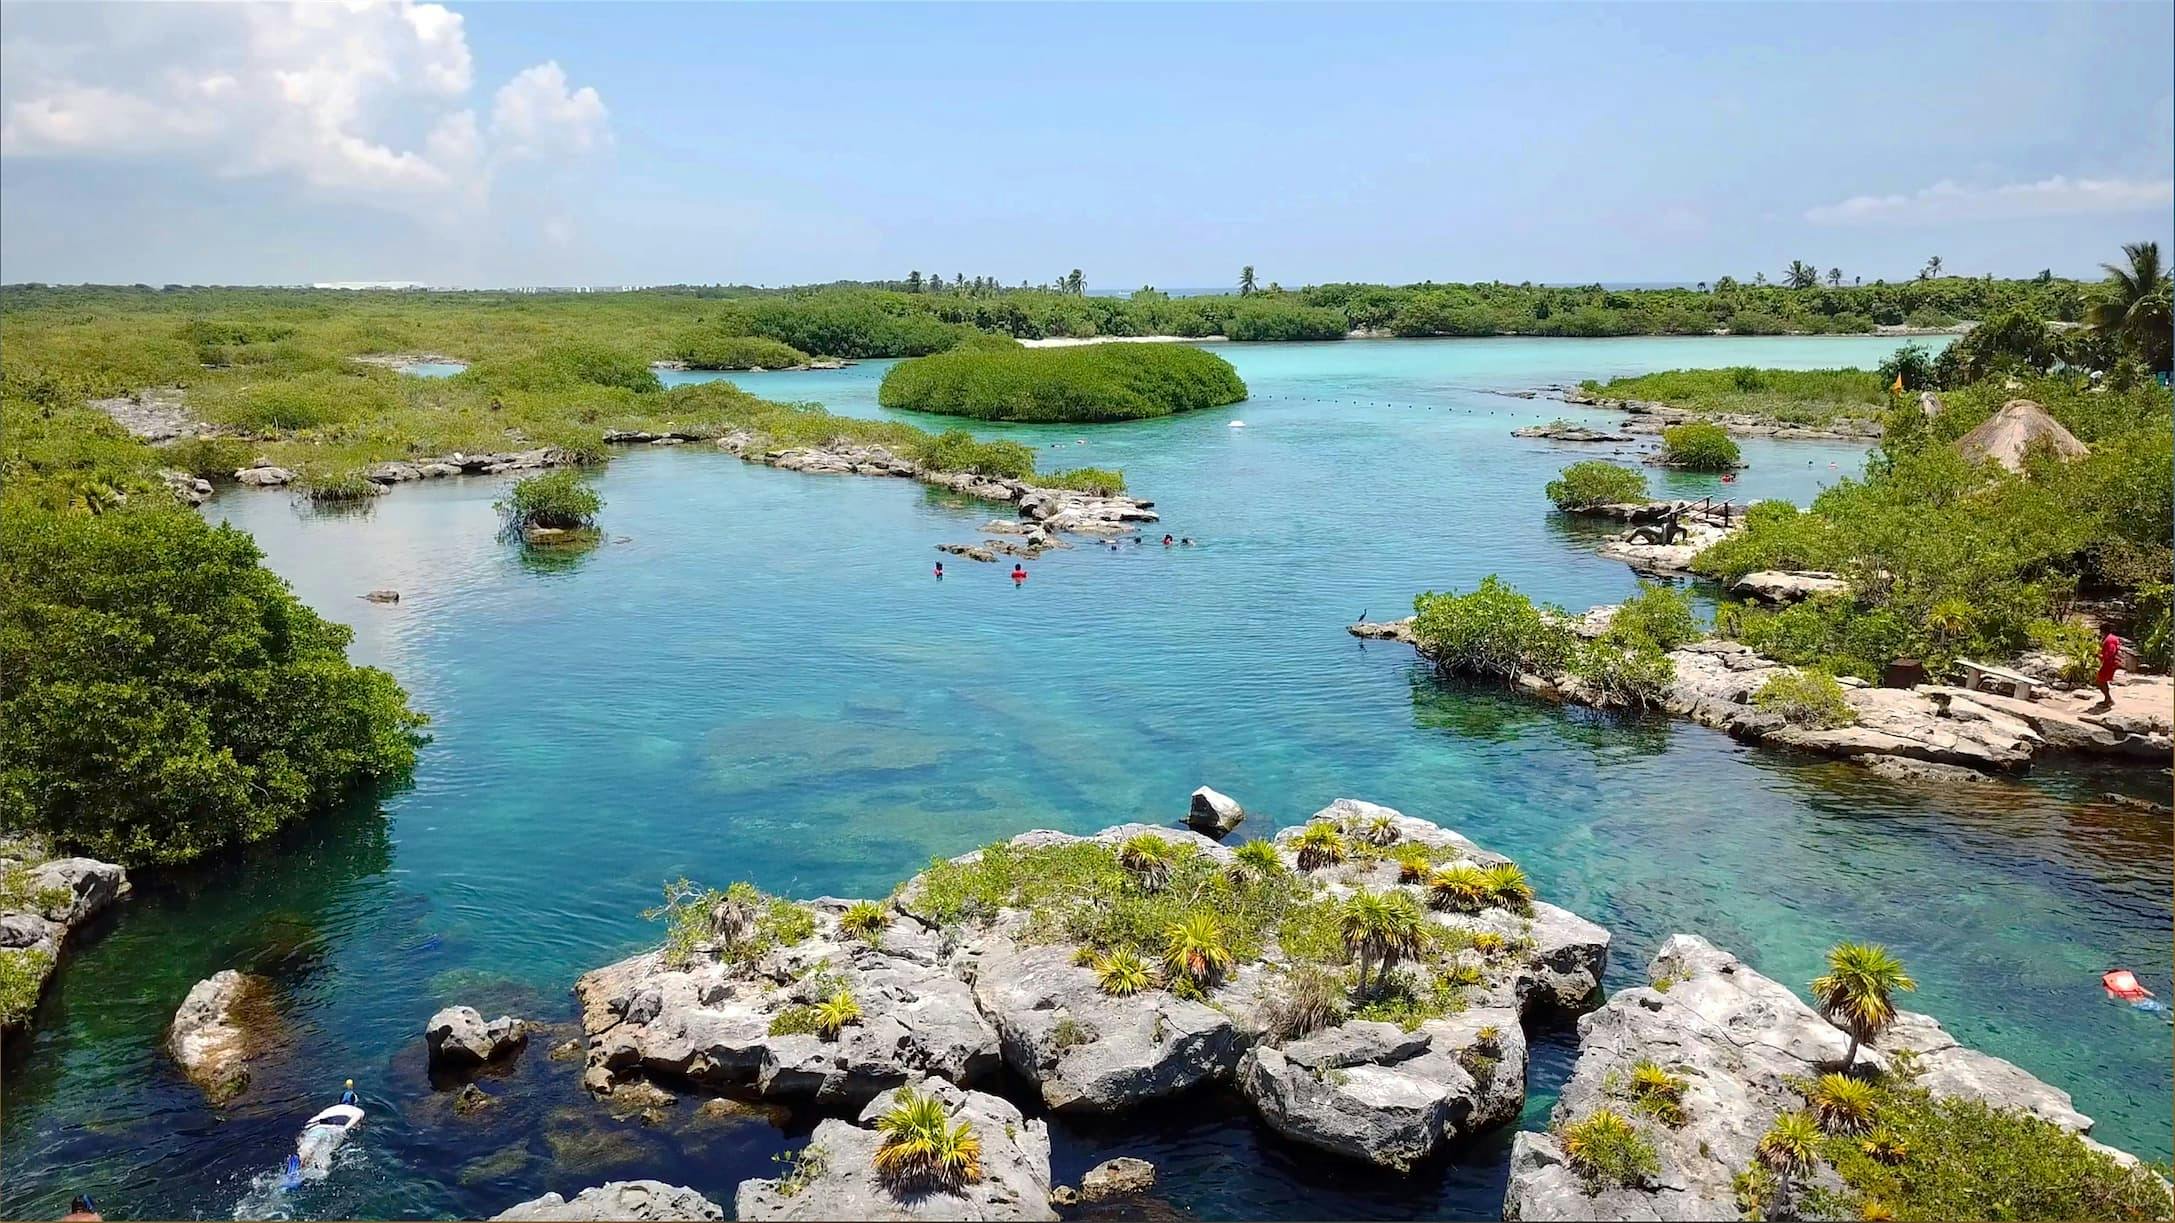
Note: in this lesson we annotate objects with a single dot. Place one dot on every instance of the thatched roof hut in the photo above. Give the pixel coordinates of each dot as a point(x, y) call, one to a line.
point(2021, 425)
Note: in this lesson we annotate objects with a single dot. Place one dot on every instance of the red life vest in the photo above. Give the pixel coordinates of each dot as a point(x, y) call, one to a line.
point(2122, 983)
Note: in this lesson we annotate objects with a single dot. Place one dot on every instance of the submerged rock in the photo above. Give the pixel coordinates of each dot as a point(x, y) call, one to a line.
point(836, 1177)
point(218, 1028)
point(620, 1200)
point(458, 1036)
point(1213, 813)
point(1118, 1177)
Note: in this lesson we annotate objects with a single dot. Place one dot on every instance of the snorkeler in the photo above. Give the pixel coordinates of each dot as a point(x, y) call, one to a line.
point(1019, 573)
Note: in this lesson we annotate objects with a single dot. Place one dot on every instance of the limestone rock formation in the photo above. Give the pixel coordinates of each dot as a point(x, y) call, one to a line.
point(459, 1036)
point(646, 1201)
point(1213, 813)
point(219, 1027)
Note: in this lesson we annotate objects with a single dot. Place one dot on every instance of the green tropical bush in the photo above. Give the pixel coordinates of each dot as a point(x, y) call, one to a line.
point(1805, 698)
point(1593, 482)
point(958, 450)
point(1093, 383)
point(1493, 632)
point(706, 349)
point(1606, 1150)
point(166, 695)
point(560, 500)
point(1699, 446)
point(921, 1149)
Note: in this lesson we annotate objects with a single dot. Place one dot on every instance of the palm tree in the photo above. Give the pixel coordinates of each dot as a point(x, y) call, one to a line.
point(1789, 1148)
point(1801, 275)
point(1194, 948)
point(2135, 310)
point(1835, 278)
point(913, 281)
point(1075, 284)
point(1932, 270)
point(1856, 989)
point(1759, 278)
point(1382, 927)
point(1246, 280)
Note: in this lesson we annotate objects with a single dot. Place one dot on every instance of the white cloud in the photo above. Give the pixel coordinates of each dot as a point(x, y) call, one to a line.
point(535, 115)
point(1948, 200)
point(369, 101)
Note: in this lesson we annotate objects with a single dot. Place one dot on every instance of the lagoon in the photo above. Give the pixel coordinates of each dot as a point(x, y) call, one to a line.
point(756, 676)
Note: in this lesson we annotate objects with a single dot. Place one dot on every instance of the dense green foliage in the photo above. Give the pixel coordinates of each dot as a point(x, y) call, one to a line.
point(1699, 446)
point(1264, 320)
point(1807, 697)
point(1796, 396)
point(1496, 633)
point(1949, 559)
point(1927, 1158)
point(1594, 482)
point(562, 500)
point(167, 696)
point(1092, 383)
point(1607, 1151)
point(22, 973)
point(709, 348)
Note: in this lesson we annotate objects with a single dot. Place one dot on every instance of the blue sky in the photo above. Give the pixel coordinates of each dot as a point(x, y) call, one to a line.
point(494, 144)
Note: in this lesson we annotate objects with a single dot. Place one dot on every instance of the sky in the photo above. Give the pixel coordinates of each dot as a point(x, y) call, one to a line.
point(512, 144)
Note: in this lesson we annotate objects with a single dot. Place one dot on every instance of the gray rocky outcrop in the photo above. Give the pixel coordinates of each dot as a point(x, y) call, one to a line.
point(459, 1036)
point(838, 1177)
point(42, 900)
point(710, 1021)
point(156, 414)
point(1213, 813)
point(1565, 431)
point(219, 1027)
point(264, 475)
point(1777, 587)
point(619, 1201)
point(1741, 1043)
point(188, 489)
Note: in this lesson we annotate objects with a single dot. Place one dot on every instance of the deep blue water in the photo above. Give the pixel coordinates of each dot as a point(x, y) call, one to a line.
point(756, 676)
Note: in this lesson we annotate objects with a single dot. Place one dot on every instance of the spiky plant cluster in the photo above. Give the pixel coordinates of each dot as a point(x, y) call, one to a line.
point(1122, 973)
point(922, 1149)
point(1195, 949)
point(1320, 845)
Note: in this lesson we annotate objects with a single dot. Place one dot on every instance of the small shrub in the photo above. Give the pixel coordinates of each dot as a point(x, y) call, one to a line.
point(1842, 1104)
point(799, 1169)
point(1492, 633)
point(865, 920)
point(1319, 845)
point(2073, 642)
point(794, 1021)
point(1101, 481)
point(1380, 832)
point(1699, 446)
point(834, 1013)
point(1460, 887)
point(1591, 483)
point(1308, 999)
point(921, 1149)
point(1635, 675)
point(1196, 950)
point(958, 450)
point(1148, 858)
point(1660, 616)
point(1806, 697)
point(22, 972)
point(1414, 862)
point(1791, 1146)
point(1606, 1150)
point(332, 487)
point(1507, 887)
point(209, 458)
point(1122, 973)
point(1255, 861)
point(1069, 1033)
point(561, 500)
point(1657, 1093)
point(714, 350)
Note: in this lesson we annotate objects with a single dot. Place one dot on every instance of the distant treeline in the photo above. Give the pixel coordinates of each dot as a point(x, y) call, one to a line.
point(865, 321)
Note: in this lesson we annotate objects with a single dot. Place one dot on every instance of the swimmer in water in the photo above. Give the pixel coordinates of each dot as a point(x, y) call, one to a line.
point(1166, 541)
point(1019, 573)
point(1187, 542)
point(940, 571)
point(348, 1096)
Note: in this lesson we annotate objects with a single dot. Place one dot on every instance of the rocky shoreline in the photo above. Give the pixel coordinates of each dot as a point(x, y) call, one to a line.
point(947, 1002)
point(43, 899)
point(1915, 733)
point(1645, 416)
point(1743, 1050)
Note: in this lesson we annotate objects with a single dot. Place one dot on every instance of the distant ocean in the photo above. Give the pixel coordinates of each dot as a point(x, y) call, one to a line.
point(1214, 290)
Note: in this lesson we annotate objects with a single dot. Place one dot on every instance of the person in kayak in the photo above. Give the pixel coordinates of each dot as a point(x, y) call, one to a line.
point(348, 1096)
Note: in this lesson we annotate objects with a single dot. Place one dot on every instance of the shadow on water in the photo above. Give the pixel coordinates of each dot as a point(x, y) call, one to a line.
point(1485, 713)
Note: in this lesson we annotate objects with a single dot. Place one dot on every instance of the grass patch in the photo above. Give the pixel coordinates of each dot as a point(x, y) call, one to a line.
point(1815, 397)
point(22, 973)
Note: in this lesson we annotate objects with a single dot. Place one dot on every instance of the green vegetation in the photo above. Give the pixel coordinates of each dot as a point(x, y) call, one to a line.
point(556, 500)
point(1858, 991)
point(1496, 633)
point(1307, 999)
point(1789, 1149)
point(1842, 1104)
point(833, 1014)
point(1950, 559)
point(1122, 973)
point(1933, 1158)
point(1807, 697)
point(738, 925)
point(1460, 887)
point(1101, 382)
point(1385, 928)
point(799, 1169)
point(1148, 857)
point(1699, 446)
point(709, 349)
point(1593, 482)
point(1195, 949)
point(1606, 1150)
point(1265, 320)
point(865, 920)
point(167, 696)
point(1657, 1093)
point(1816, 397)
point(1319, 845)
point(921, 1149)
point(22, 974)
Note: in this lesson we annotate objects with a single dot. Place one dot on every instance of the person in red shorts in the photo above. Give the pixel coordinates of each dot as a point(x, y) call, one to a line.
point(2110, 660)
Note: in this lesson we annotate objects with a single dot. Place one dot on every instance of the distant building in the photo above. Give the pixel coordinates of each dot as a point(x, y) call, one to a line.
point(369, 284)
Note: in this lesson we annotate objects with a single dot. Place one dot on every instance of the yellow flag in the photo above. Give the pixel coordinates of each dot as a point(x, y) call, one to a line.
point(1898, 389)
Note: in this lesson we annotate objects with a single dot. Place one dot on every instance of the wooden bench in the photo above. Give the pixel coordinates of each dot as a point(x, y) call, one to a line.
point(1986, 677)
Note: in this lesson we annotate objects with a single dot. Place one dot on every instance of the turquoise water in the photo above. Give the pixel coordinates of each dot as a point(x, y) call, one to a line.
point(434, 369)
point(756, 676)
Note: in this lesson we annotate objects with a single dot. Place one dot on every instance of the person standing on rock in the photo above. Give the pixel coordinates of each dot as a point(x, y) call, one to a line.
point(2110, 660)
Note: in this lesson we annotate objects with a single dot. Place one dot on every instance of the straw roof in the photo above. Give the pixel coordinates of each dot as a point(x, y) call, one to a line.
point(2021, 425)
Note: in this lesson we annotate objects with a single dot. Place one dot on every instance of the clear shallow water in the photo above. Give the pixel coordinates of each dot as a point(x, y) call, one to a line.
point(757, 677)
point(434, 369)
